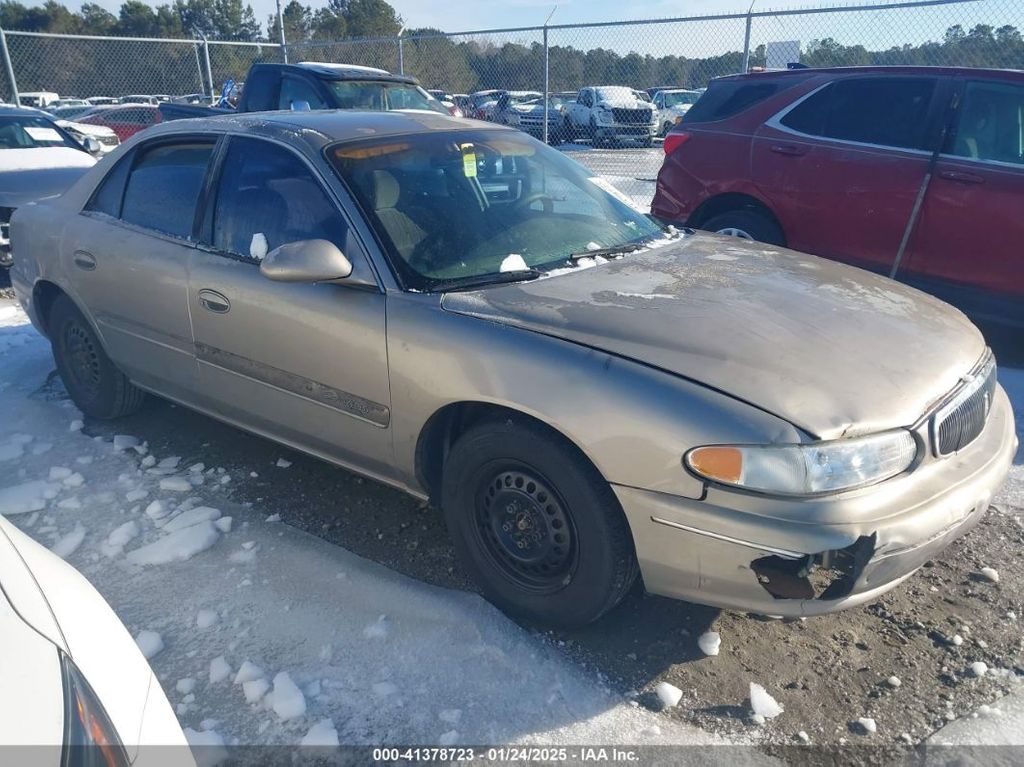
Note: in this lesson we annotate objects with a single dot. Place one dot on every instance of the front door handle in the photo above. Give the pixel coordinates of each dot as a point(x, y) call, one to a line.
point(213, 301)
point(962, 178)
point(85, 261)
point(790, 150)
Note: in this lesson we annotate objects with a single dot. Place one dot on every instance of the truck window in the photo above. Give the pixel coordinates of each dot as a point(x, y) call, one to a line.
point(294, 90)
point(261, 91)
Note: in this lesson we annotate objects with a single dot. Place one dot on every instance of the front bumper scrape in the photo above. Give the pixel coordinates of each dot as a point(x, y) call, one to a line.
point(797, 557)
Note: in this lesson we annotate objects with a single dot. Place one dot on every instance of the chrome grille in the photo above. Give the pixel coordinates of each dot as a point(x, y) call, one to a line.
point(959, 422)
point(632, 116)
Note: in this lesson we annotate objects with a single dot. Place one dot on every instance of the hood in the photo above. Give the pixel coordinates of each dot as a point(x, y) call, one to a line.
point(624, 103)
point(87, 129)
point(834, 350)
point(32, 174)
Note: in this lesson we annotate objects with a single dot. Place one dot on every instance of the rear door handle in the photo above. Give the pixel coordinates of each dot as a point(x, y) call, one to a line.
point(85, 261)
point(962, 178)
point(790, 150)
point(213, 301)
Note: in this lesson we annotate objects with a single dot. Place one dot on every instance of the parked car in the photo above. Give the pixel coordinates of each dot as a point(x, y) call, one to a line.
point(483, 104)
point(611, 113)
point(447, 100)
point(104, 136)
point(74, 679)
point(505, 112)
point(38, 159)
point(464, 103)
point(102, 101)
point(37, 99)
point(672, 105)
point(65, 102)
point(528, 115)
point(310, 85)
point(459, 311)
point(140, 99)
point(652, 92)
point(71, 112)
point(124, 119)
point(832, 162)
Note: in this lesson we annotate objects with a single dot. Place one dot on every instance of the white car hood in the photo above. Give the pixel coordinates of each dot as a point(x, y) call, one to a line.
point(43, 158)
point(625, 104)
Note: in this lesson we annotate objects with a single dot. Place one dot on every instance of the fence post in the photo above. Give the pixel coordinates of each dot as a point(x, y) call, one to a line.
point(547, 83)
point(401, 53)
point(9, 67)
point(280, 24)
point(209, 71)
point(746, 38)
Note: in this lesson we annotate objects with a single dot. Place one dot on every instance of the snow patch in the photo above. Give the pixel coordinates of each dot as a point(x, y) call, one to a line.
point(762, 703)
point(288, 701)
point(178, 546)
point(149, 642)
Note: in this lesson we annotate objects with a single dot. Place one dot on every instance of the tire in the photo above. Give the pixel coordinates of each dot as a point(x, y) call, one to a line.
point(748, 225)
point(647, 143)
point(94, 383)
point(535, 525)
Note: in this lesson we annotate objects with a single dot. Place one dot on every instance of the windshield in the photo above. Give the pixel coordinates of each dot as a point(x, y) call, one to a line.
point(460, 205)
point(382, 96)
point(30, 133)
point(680, 97)
point(615, 93)
point(522, 98)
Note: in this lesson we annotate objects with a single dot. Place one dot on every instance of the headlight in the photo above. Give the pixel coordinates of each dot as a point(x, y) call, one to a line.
point(90, 739)
point(604, 115)
point(818, 467)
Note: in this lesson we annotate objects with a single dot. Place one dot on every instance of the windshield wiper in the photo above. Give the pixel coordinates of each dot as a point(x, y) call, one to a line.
point(480, 280)
point(617, 250)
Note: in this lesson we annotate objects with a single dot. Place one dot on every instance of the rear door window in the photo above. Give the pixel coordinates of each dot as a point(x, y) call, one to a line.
point(991, 124)
point(164, 185)
point(887, 111)
point(725, 99)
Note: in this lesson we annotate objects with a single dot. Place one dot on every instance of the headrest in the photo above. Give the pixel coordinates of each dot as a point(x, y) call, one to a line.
point(385, 190)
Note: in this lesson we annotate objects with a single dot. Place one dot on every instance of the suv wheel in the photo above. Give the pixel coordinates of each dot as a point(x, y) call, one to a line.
point(535, 525)
point(747, 225)
point(95, 385)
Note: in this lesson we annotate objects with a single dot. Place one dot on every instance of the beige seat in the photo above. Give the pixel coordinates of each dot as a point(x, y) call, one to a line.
point(403, 231)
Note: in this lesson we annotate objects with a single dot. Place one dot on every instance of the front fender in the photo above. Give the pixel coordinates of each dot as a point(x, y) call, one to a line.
point(633, 422)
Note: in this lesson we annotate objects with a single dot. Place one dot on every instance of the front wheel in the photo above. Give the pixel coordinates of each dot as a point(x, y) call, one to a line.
point(747, 225)
point(535, 525)
point(92, 380)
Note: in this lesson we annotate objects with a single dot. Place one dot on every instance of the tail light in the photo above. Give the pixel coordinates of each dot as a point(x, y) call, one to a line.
point(675, 140)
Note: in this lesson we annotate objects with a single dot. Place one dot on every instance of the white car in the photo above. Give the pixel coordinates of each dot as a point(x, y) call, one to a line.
point(38, 159)
point(611, 113)
point(74, 681)
point(108, 140)
point(672, 105)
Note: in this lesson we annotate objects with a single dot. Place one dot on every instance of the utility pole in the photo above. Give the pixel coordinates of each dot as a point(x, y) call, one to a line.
point(280, 24)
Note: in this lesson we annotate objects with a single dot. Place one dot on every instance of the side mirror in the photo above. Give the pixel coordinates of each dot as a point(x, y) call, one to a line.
point(92, 145)
point(306, 261)
point(300, 106)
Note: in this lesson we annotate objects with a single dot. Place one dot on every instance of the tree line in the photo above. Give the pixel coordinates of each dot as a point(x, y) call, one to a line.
point(333, 33)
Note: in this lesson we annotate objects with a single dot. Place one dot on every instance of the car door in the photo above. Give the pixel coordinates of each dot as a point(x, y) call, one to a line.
point(303, 363)
point(967, 243)
point(127, 258)
point(842, 166)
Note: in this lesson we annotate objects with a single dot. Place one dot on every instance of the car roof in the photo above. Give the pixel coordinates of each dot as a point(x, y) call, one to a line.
point(800, 72)
point(332, 125)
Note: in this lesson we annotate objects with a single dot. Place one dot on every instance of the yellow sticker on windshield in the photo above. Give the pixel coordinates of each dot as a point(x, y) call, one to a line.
point(468, 160)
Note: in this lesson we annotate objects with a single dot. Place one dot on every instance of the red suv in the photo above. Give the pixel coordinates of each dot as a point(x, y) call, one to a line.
point(912, 171)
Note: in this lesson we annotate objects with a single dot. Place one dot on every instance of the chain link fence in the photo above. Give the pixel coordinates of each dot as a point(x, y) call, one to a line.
point(681, 53)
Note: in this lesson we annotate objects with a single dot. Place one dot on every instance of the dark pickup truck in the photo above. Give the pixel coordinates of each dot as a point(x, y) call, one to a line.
point(309, 85)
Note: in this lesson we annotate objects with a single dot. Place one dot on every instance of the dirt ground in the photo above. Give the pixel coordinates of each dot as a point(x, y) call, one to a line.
point(827, 672)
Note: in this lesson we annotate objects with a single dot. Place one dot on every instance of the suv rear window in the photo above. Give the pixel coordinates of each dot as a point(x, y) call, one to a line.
point(726, 99)
point(888, 111)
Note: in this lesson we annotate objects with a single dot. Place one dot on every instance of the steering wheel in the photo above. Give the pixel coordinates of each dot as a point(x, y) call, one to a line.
point(547, 200)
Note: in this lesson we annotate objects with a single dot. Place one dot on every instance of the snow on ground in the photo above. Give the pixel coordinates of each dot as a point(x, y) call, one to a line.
point(260, 633)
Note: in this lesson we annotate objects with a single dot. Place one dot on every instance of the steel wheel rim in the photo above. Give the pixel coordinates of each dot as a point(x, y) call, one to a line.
point(732, 231)
point(83, 359)
point(524, 527)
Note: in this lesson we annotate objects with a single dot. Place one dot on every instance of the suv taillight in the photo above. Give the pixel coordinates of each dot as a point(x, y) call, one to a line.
point(675, 140)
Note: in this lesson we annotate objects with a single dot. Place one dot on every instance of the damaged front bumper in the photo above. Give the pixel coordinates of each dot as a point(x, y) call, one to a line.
point(796, 557)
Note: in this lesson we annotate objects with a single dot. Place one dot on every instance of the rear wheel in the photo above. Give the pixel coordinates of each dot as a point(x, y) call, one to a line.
point(535, 525)
point(747, 225)
point(92, 380)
